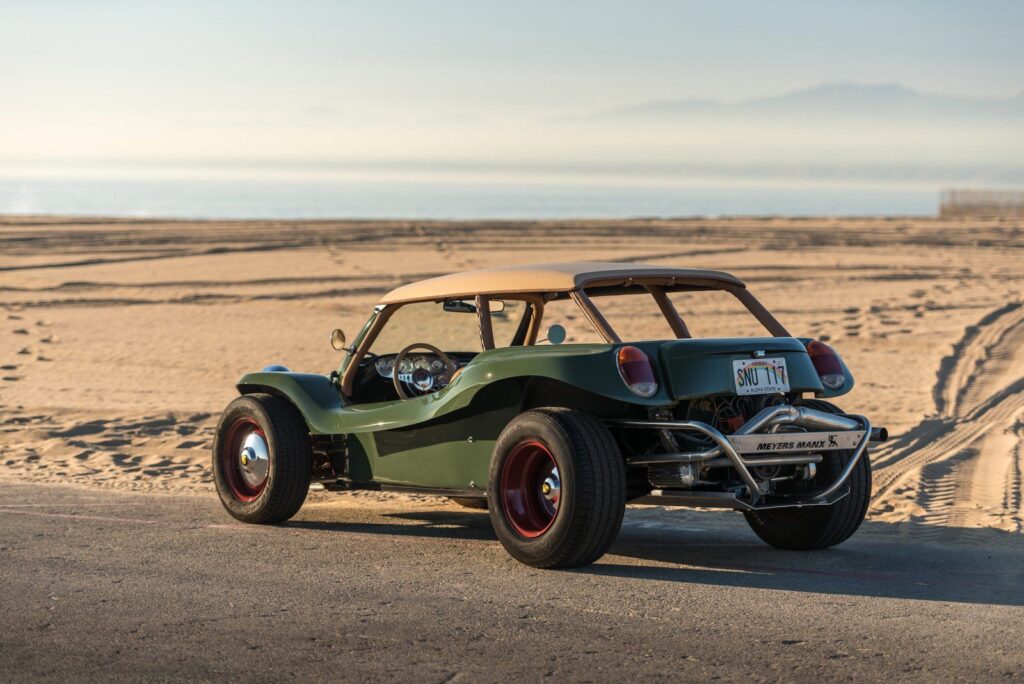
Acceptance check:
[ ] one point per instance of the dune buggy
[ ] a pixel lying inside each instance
(554, 436)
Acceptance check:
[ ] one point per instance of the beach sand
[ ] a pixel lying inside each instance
(121, 340)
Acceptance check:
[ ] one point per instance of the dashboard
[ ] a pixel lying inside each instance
(420, 373)
(385, 365)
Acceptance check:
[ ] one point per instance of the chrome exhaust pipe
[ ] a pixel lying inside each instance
(809, 418)
(798, 415)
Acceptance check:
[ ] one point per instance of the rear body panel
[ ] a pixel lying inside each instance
(700, 368)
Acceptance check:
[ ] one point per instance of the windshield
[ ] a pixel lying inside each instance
(428, 322)
(455, 328)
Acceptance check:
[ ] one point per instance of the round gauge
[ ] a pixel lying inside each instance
(406, 366)
(384, 366)
(421, 362)
(437, 366)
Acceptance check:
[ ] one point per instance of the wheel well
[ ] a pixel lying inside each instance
(329, 460)
(512, 396)
(546, 392)
(539, 392)
(273, 391)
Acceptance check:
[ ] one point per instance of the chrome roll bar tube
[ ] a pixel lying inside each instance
(764, 419)
(852, 463)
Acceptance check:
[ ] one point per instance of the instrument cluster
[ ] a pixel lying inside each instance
(385, 365)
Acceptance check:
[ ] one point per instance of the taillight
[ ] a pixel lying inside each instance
(826, 362)
(636, 371)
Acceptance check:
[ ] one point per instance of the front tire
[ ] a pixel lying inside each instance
(819, 527)
(262, 459)
(557, 488)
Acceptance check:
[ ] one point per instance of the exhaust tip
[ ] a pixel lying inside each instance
(879, 434)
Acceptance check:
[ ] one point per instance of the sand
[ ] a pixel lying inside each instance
(121, 340)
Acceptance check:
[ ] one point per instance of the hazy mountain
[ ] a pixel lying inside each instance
(831, 101)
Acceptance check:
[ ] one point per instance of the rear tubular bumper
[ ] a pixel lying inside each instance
(835, 430)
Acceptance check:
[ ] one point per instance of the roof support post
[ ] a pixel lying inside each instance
(669, 311)
(483, 312)
(757, 309)
(537, 302)
(349, 376)
(595, 317)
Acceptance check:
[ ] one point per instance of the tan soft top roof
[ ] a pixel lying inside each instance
(561, 277)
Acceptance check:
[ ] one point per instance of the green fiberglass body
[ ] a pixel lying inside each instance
(450, 389)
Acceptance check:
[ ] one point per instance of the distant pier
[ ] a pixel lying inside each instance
(975, 202)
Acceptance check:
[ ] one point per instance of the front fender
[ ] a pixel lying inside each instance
(316, 398)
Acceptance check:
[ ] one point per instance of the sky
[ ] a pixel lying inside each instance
(88, 83)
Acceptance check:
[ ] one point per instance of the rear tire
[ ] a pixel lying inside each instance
(271, 486)
(818, 527)
(557, 488)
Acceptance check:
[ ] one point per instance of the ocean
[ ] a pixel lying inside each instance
(223, 198)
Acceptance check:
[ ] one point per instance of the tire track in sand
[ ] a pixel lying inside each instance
(962, 465)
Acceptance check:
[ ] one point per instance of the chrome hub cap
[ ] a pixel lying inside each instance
(243, 459)
(551, 489)
(254, 460)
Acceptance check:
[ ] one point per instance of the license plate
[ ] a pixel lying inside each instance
(760, 376)
(796, 441)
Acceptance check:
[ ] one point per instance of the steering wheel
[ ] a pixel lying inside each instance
(422, 379)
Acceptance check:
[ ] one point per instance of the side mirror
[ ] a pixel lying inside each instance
(338, 340)
(556, 334)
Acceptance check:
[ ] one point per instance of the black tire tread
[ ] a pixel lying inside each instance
(288, 435)
(600, 485)
(599, 499)
(837, 522)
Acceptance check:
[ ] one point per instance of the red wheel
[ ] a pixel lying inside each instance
(245, 458)
(557, 488)
(530, 488)
(262, 459)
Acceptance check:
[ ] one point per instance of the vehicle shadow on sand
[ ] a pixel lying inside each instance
(455, 524)
(904, 561)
